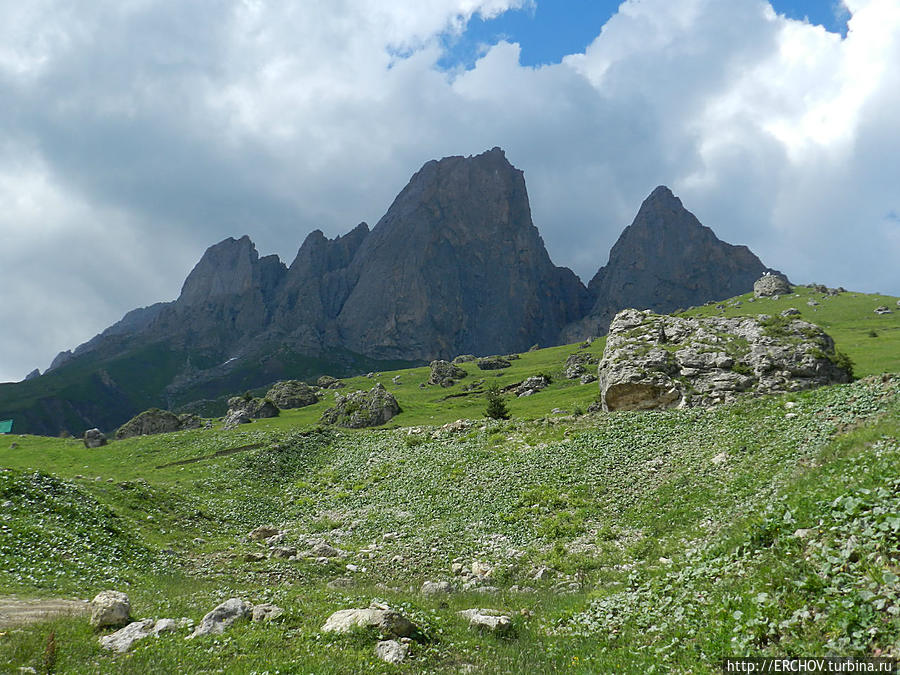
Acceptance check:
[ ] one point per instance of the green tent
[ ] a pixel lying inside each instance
(5, 426)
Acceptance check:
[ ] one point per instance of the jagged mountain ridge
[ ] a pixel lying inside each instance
(454, 266)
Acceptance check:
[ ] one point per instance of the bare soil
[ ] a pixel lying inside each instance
(15, 610)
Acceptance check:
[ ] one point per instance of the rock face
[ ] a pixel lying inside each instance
(771, 284)
(445, 374)
(292, 394)
(655, 361)
(110, 608)
(360, 409)
(664, 260)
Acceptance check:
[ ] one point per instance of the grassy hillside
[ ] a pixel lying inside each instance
(671, 539)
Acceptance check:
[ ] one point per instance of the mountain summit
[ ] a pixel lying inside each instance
(455, 266)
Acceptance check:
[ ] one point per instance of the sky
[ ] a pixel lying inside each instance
(136, 133)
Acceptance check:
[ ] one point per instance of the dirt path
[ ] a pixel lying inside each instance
(15, 610)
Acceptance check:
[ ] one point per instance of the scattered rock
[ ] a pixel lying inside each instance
(492, 363)
(812, 303)
(883, 310)
(94, 438)
(266, 612)
(445, 374)
(385, 620)
(283, 552)
(222, 617)
(110, 608)
(360, 409)
(587, 378)
(340, 582)
(263, 532)
(769, 285)
(254, 556)
(489, 620)
(436, 588)
(790, 311)
(532, 385)
(329, 382)
(291, 394)
(481, 570)
(654, 361)
(391, 651)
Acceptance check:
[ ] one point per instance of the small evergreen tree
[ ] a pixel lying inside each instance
(496, 407)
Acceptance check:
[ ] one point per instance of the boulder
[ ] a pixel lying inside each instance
(437, 588)
(656, 361)
(255, 408)
(391, 651)
(329, 382)
(576, 364)
(110, 608)
(489, 620)
(492, 363)
(122, 639)
(464, 358)
(222, 617)
(769, 285)
(445, 374)
(266, 612)
(883, 310)
(263, 532)
(153, 421)
(532, 385)
(379, 617)
(94, 438)
(235, 418)
(292, 394)
(360, 409)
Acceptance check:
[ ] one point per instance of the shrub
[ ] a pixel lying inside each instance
(496, 406)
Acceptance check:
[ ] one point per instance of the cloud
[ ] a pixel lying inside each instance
(135, 134)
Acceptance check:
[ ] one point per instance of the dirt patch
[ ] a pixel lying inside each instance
(15, 610)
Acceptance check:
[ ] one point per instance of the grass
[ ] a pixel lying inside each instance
(671, 536)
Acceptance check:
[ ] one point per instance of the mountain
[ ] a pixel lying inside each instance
(663, 261)
(455, 266)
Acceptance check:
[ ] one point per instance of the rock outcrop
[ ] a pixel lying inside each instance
(156, 421)
(657, 361)
(292, 394)
(770, 284)
(360, 409)
(254, 408)
(445, 374)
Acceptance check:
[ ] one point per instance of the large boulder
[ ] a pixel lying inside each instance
(254, 408)
(657, 361)
(153, 421)
(329, 382)
(110, 608)
(445, 374)
(360, 409)
(94, 438)
(292, 394)
(532, 385)
(770, 284)
(122, 639)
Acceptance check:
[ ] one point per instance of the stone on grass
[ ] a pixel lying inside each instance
(445, 374)
(437, 588)
(222, 617)
(771, 285)
(263, 532)
(291, 394)
(489, 620)
(110, 608)
(391, 651)
(122, 639)
(383, 619)
(361, 409)
(266, 612)
(94, 438)
(492, 363)
(235, 418)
